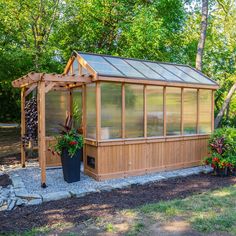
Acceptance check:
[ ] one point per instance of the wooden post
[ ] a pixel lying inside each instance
(98, 111)
(69, 109)
(80, 69)
(198, 110)
(164, 111)
(123, 110)
(41, 138)
(71, 69)
(182, 112)
(145, 109)
(22, 125)
(83, 121)
(38, 109)
(212, 111)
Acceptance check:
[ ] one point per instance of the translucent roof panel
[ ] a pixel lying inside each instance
(181, 74)
(142, 69)
(100, 65)
(162, 71)
(202, 79)
(145, 70)
(123, 66)
(75, 67)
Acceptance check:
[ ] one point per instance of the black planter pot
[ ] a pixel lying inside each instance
(222, 172)
(233, 171)
(71, 165)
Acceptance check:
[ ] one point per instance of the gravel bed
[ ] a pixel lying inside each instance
(55, 182)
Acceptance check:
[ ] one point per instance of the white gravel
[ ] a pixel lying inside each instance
(55, 182)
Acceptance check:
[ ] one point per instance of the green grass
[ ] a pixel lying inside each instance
(135, 229)
(207, 212)
(109, 227)
(32, 232)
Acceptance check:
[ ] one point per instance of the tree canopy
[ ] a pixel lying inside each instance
(40, 35)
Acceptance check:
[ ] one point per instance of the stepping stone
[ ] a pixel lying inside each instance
(29, 195)
(34, 202)
(19, 192)
(11, 205)
(55, 196)
(21, 202)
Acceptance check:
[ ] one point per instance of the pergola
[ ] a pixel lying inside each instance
(44, 83)
(138, 116)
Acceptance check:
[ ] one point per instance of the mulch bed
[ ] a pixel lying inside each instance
(77, 210)
(5, 180)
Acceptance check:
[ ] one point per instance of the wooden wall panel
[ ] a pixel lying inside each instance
(155, 155)
(124, 159)
(112, 159)
(51, 160)
(136, 155)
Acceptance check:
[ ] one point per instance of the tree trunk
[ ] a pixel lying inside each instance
(202, 39)
(224, 106)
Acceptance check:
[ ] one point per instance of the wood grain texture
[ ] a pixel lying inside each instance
(126, 158)
(23, 95)
(52, 159)
(41, 138)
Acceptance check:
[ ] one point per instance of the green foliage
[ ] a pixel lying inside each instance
(10, 102)
(41, 35)
(77, 114)
(222, 147)
(71, 140)
(211, 211)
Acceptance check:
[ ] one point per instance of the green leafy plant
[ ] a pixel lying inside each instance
(70, 139)
(222, 147)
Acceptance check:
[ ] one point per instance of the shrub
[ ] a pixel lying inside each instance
(222, 147)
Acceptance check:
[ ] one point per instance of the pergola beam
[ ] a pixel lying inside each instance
(30, 89)
(26, 80)
(65, 80)
(49, 86)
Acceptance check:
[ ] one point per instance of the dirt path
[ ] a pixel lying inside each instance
(105, 204)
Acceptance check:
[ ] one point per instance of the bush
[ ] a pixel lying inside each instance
(9, 102)
(222, 147)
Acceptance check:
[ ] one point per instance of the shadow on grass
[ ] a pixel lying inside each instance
(208, 212)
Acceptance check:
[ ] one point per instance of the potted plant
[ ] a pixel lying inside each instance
(222, 167)
(69, 146)
(222, 156)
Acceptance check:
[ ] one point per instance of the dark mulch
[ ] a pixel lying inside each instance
(76, 210)
(5, 180)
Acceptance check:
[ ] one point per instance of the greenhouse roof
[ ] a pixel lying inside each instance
(113, 66)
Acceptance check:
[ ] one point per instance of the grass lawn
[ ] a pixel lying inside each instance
(210, 213)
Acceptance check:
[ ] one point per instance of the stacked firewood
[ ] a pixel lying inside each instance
(31, 123)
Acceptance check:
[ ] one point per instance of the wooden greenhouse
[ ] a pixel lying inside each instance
(137, 116)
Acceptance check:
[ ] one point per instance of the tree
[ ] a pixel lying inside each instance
(202, 39)
(30, 25)
(225, 105)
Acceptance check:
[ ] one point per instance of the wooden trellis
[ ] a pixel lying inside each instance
(44, 83)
